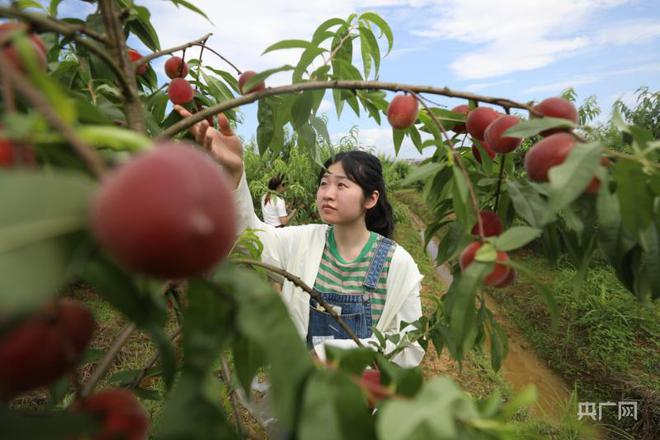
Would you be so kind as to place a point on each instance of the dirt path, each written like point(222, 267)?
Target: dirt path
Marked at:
point(522, 366)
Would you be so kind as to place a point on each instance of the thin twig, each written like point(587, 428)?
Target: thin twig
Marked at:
point(213, 51)
point(499, 181)
point(226, 378)
point(145, 59)
point(300, 283)
point(335, 84)
point(89, 155)
point(105, 363)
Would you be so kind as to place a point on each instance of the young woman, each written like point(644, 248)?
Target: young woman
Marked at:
point(351, 259)
point(273, 208)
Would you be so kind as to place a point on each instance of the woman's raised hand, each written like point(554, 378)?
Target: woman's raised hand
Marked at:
point(224, 145)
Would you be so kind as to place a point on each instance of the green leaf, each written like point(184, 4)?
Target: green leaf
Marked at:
point(438, 411)
point(116, 138)
point(569, 180)
point(193, 411)
point(365, 50)
point(120, 289)
point(140, 25)
point(52, 9)
point(40, 219)
point(635, 197)
point(207, 326)
point(382, 25)
point(337, 96)
point(460, 305)
point(288, 44)
point(247, 358)
point(226, 76)
point(397, 137)
point(301, 109)
point(321, 34)
point(527, 202)
point(262, 76)
point(50, 426)
point(192, 7)
point(531, 127)
point(321, 129)
point(265, 129)
point(516, 237)
point(333, 408)
point(374, 48)
point(217, 88)
point(259, 308)
point(51, 90)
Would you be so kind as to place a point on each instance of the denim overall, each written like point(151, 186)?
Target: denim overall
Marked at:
point(355, 310)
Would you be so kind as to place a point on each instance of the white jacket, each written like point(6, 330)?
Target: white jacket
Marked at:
point(298, 250)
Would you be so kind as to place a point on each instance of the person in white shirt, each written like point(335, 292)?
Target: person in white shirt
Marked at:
point(273, 207)
point(356, 238)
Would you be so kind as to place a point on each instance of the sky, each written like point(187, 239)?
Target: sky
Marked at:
point(519, 49)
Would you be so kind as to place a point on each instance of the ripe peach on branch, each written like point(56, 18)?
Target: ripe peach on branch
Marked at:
point(167, 213)
point(402, 111)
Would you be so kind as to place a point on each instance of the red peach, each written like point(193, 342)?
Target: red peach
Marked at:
point(12, 53)
point(402, 111)
point(245, 77)
point(44, 347)
point(547, 153)
point(180, 91)
point(175, 67)
point(499, 272)
point(557, 108)
point(134, 55)
point(120, 414)
point(491, 223)
point(464, 109)
point(167, 213)
point(489, 151)
point(478, 120)
point(495, 131)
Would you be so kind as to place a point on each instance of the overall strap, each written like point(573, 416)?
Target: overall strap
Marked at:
point(377, 263)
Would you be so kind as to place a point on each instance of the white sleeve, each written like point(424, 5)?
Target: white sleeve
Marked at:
point(278, 242)
point(281, 207)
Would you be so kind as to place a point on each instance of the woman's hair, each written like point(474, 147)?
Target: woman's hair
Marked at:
point(273, 183)
point(366, 170)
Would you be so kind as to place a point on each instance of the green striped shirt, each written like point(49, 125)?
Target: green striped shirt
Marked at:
point(347, 277)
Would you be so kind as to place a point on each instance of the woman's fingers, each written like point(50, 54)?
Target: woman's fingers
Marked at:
point(223, 123)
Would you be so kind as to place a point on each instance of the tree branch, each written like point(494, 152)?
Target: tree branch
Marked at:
point(213, 51)
point(132, 104)
point(336, 84)
point(300, 283)
point(226, 378)
point(145, 59)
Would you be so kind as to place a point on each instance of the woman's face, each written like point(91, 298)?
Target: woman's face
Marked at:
point(339, 199)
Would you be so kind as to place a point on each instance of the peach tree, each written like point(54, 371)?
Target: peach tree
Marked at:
point(101, 183)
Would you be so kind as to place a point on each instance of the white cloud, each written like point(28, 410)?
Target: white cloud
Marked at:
point(485, 85)
point(591, 78)
point(518, 35)
point(631, 32)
